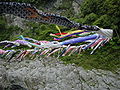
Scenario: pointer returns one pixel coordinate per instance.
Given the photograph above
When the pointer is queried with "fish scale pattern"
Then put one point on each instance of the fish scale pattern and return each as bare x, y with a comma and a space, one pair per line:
17, 9
29, 12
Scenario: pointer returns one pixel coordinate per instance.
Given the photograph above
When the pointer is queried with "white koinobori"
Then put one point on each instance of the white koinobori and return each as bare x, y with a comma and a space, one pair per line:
105, 32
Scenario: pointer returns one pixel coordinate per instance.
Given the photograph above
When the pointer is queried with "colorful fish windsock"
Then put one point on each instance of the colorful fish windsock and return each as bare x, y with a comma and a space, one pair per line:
29, 12
79, 39
23, 42
2, 51
105, 32
69, 34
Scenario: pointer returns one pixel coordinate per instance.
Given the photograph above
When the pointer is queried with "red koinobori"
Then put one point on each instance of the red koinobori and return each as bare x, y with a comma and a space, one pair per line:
29, 12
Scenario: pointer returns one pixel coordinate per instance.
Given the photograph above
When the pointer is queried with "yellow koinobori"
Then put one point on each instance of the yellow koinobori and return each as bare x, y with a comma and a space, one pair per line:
58, 30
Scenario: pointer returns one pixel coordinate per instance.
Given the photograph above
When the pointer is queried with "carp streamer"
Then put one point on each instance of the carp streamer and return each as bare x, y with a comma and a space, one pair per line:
37, 48
29, 12
84, 37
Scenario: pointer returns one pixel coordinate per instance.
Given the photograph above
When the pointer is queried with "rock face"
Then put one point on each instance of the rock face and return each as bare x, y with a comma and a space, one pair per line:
15, 21
52, 74
59, 6
76, 6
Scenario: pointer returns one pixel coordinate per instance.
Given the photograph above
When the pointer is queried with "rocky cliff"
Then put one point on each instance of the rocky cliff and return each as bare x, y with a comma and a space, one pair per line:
52, 74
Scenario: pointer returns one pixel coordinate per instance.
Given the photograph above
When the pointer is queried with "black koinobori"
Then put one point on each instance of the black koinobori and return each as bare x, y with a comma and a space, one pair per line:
29, 12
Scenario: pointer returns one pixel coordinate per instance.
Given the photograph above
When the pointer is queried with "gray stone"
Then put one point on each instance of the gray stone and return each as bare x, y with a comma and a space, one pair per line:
50, 74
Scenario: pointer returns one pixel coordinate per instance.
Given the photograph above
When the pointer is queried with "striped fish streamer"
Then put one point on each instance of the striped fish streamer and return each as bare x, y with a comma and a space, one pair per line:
49, 49
29, 12
79, 39
77, 32
2, 51
23, 42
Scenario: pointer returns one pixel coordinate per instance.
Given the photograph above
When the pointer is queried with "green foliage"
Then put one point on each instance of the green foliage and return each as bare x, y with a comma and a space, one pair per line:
111, 7
39, 31
104, 13
89, 19
106, 58
66, 8
107, 13
7, 32
66, 4
80, 20
104, 21
89, 6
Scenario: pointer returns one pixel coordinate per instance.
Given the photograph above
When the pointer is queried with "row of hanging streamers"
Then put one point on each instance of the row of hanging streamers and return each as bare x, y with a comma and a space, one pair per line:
36, 48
